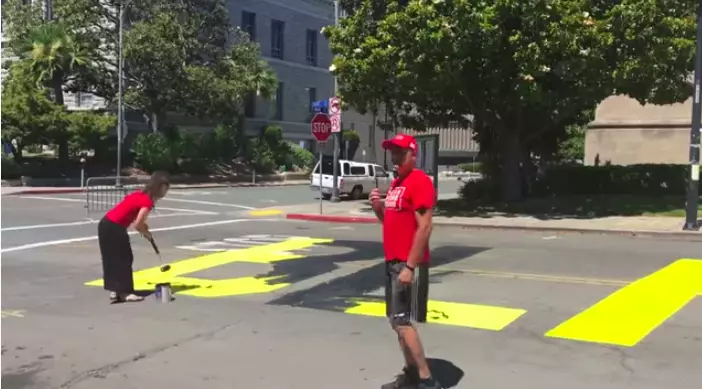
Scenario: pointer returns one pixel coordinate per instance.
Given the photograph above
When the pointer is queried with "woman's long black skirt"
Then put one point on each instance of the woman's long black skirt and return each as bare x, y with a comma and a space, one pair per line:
117, 257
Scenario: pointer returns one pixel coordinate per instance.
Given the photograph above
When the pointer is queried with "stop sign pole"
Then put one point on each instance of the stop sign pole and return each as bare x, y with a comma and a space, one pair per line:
320, 128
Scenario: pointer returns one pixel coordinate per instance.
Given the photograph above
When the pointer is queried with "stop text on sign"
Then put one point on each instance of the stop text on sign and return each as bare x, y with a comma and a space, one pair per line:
321, 127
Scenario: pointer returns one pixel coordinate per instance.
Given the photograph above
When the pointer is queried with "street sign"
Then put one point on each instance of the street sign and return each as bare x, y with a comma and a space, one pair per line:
335, 123
334, 106
320, 127
335, 114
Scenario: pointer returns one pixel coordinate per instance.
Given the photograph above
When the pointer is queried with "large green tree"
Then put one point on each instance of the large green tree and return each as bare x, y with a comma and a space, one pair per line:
519, 69
28, 114
31, 116
180, 56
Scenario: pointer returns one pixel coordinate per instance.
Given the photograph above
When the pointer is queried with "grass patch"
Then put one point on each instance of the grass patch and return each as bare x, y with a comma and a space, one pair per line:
584, 207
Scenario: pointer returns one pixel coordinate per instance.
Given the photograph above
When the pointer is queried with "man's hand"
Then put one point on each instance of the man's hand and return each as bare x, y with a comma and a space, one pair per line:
405, 276
376, 203
147, 234
375, 197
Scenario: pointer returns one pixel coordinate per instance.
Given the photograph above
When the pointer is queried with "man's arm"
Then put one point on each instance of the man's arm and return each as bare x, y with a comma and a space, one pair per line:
421, 236
379, 210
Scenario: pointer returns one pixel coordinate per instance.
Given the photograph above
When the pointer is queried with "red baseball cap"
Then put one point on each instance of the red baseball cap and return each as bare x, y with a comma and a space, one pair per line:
401, 141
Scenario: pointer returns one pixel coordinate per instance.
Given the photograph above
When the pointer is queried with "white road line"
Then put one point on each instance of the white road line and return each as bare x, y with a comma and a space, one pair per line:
87, 238
209, 203
92, 221
52, 198
158, 207
31, 227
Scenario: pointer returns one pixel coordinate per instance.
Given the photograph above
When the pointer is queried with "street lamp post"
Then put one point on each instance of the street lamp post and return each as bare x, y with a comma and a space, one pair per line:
120, 77
693, 189
335, 170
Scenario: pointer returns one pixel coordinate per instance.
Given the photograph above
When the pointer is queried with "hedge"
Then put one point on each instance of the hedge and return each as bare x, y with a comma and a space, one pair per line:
569, 180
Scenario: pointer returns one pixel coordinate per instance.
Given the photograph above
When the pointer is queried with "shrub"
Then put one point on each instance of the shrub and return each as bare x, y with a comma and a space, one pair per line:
643, 179
10, 168
301, 157
573, 180
155, 152
261, 156
473, 167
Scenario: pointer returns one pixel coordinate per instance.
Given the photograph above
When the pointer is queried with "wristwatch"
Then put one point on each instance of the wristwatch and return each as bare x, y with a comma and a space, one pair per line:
409, 267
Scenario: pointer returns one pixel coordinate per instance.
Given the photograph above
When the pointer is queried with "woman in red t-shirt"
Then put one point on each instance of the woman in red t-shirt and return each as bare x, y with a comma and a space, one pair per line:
115, 248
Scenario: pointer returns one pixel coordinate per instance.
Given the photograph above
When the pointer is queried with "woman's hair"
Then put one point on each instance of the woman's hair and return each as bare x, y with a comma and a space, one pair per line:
156, 181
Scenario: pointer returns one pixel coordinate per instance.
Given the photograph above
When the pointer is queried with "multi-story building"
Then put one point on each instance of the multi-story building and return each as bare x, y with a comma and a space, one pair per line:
290, 39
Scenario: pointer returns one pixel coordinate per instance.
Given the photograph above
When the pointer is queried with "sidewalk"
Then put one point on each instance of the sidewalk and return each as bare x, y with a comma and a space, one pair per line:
360, 212
22, 190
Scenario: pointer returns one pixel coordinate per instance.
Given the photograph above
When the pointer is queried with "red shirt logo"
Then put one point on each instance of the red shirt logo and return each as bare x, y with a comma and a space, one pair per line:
394, 198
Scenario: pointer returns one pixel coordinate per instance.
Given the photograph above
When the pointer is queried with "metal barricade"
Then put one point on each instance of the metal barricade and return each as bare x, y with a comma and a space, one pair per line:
103, 193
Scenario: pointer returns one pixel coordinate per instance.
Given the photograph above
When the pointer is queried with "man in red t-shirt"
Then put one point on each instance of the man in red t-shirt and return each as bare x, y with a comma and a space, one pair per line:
407, 224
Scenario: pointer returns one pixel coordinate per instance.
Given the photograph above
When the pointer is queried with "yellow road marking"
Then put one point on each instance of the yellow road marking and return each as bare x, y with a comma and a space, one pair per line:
265, 212
13, 313
628, 315
269, 253
484, 317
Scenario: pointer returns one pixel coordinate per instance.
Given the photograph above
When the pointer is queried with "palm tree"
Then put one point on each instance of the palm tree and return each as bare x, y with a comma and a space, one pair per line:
53, 54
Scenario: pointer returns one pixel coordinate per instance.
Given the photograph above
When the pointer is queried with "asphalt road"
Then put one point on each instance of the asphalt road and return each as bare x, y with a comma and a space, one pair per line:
269, 303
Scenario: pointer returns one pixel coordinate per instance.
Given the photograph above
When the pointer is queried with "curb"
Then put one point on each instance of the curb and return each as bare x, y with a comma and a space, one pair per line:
173, 187
46, 191
672, 235
331, 218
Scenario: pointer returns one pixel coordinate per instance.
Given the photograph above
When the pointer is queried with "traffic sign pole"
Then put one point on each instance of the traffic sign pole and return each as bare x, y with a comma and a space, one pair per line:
320, 128
335, 113
321, 196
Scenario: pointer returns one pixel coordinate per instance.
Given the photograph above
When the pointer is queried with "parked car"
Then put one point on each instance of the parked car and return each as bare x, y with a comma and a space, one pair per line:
355, 179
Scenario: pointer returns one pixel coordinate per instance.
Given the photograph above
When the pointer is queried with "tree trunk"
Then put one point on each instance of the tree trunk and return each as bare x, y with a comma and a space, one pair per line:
511, 151
61, 141
154, 122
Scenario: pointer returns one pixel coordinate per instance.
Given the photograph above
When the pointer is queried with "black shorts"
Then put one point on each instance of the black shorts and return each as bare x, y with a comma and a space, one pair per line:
406, 302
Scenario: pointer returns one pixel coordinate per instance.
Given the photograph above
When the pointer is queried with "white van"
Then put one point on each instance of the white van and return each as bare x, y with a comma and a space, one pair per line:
356, 179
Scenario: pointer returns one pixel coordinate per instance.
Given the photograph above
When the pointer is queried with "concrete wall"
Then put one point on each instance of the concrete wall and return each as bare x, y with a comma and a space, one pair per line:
625, 132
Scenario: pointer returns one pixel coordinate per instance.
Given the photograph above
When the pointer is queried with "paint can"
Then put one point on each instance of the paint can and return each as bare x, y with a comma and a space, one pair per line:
163, 293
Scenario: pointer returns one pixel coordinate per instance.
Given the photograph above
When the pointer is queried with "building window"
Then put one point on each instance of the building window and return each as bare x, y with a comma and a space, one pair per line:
312, 47
250, 105
311, 96
248, 24
277, 38
86, 98
279, 102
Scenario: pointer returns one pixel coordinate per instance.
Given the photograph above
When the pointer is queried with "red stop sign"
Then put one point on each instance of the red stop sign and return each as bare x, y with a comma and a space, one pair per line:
320, 126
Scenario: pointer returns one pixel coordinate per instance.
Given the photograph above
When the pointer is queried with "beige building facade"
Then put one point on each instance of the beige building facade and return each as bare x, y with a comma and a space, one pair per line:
625, 132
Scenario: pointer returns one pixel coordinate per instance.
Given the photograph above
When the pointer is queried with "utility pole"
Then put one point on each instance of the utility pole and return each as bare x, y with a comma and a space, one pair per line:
48, 12
693, 189
335, 177
120, 76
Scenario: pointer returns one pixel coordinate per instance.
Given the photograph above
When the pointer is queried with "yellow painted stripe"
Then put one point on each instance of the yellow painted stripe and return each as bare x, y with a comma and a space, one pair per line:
483, 317
628, 315
13, 313
274, 252
265, 212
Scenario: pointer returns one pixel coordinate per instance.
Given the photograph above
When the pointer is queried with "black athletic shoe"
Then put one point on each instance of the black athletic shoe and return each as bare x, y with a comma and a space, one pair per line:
407, 379
429, 383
